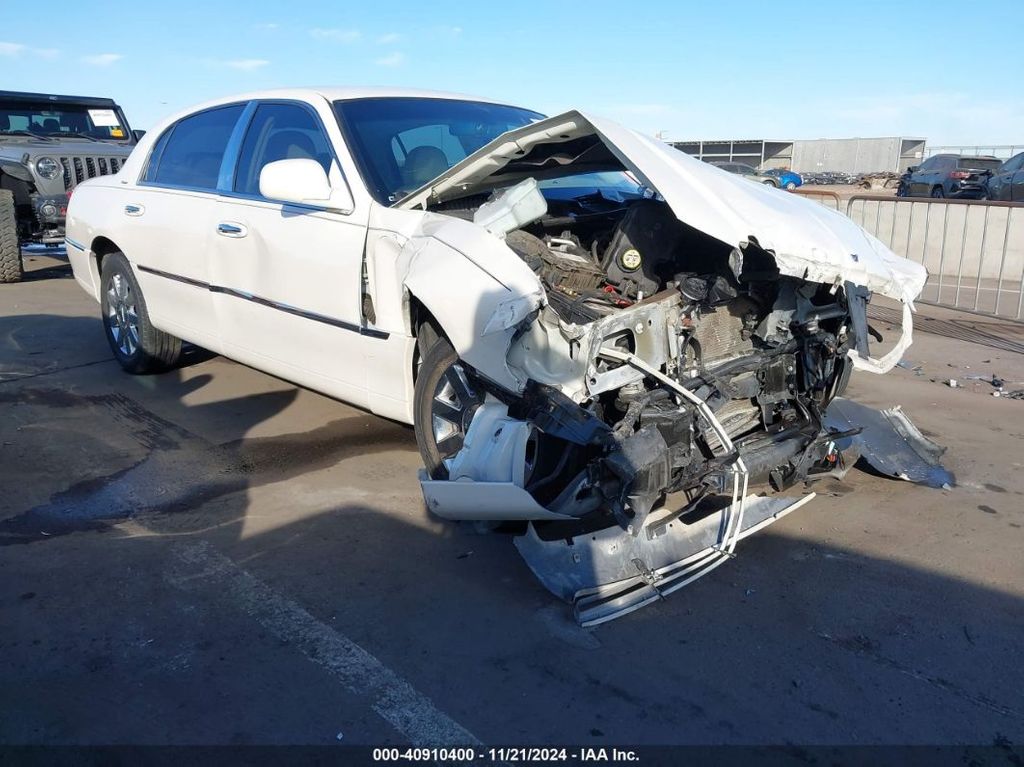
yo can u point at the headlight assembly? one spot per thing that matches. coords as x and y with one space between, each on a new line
48 168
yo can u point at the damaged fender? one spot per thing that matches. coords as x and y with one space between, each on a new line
476 288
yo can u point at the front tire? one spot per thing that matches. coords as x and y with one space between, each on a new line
138 347
11 269
444 403
937 193
791 185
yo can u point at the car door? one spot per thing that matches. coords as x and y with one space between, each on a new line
1000 184
168 222
1013 180
940 177
918 179
289 277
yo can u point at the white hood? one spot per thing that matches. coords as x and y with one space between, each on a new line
809 241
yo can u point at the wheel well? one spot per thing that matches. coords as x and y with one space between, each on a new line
422 323
12 180
101 248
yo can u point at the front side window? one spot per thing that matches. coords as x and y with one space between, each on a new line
279 132
192 150
400 144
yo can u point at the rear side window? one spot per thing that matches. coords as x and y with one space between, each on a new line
190 153
279 132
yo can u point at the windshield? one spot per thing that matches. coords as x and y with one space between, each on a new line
400 144
55 119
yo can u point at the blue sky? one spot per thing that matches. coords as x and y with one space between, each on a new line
948 71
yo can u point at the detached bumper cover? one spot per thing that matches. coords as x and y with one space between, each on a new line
471 500
610 573
890 443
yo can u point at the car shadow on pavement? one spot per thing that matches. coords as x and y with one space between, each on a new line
145 625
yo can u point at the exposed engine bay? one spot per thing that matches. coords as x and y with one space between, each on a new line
765 353
673 381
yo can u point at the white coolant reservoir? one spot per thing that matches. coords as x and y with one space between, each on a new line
513 208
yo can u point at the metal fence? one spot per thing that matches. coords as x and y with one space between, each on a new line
973 250
1002 151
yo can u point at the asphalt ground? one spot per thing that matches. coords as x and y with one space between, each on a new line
214 556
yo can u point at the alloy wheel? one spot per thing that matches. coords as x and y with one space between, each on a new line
122 315
452 408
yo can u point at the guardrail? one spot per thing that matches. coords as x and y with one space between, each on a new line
973 250
826 198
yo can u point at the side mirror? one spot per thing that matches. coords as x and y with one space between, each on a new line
137 135
912 169
303 182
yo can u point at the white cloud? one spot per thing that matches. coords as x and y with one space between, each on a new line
335 35
17 49
395 59
102 59
245 65
444 30
389 39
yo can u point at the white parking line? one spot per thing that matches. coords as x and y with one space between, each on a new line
395 700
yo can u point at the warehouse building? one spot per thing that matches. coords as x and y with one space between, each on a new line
847 155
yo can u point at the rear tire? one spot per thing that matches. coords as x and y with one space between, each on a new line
138 347
11 269
444 402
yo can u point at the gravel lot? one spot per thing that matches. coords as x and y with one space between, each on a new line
213 556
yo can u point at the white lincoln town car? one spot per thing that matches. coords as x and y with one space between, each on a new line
620 351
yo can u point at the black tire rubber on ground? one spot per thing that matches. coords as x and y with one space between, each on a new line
938 193
791 185
11 269
157 351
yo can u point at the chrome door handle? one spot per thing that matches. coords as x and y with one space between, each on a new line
231 230
133 210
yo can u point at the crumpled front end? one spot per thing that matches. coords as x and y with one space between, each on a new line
673 382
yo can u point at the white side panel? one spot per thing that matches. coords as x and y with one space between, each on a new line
288 290
164 230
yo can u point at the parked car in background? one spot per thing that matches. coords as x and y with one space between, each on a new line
785 179
749 173
48 144
1007 182
949 175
